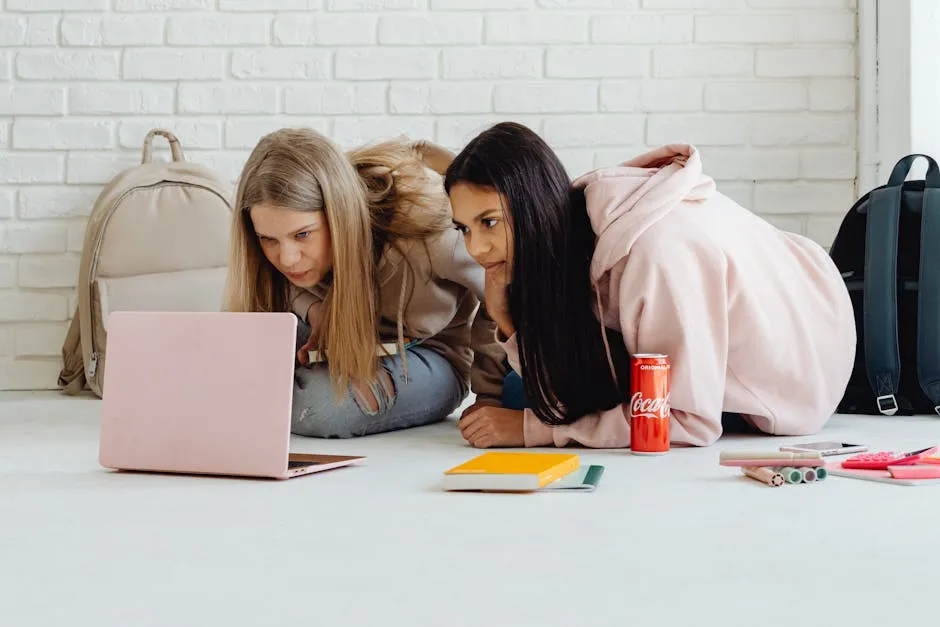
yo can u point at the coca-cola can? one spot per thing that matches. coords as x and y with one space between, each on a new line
649 404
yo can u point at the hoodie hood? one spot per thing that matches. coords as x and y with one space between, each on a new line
625 200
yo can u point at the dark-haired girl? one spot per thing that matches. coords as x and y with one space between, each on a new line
644 257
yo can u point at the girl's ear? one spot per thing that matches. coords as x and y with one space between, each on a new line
433 155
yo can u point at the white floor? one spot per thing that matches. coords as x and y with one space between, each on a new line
664 541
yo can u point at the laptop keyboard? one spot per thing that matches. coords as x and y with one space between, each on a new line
300 464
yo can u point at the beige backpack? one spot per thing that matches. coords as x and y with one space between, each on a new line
157 240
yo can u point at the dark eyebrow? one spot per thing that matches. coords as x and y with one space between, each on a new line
483 214
300 230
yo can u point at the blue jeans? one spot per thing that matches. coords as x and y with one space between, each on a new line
514 397
433 390
513 393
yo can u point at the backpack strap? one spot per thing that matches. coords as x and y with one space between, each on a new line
928 289
72 376
882 361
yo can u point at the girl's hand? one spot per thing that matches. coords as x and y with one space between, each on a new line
313 319
303 354
497 299
491 426
433 155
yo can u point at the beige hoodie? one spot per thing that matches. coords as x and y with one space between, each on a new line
438 297
755 320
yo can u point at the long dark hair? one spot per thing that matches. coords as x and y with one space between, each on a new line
565 370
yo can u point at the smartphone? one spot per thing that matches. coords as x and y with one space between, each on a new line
825 448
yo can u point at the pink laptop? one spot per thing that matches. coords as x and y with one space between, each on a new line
206 392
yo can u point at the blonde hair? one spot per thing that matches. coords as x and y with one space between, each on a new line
371 196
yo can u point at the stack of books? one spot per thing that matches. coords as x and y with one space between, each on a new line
523 472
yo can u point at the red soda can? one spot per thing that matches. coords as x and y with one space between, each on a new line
649 404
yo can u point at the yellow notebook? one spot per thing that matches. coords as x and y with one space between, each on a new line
510 472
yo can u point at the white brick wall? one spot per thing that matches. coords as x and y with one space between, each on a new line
765 88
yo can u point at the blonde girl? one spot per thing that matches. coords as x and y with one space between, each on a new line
361 247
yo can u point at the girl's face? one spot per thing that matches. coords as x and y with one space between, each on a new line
297 243
479 215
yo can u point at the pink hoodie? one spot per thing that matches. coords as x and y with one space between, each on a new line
755 320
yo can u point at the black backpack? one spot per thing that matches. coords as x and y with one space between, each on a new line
888 250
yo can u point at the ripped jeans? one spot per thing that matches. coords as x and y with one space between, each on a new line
433 390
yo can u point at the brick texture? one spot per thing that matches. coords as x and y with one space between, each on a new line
765 88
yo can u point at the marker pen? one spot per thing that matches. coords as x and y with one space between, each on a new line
764 475
790 474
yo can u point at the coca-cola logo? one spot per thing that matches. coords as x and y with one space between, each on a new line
641 407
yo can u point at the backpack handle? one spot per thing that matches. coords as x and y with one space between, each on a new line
175 148
903 167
